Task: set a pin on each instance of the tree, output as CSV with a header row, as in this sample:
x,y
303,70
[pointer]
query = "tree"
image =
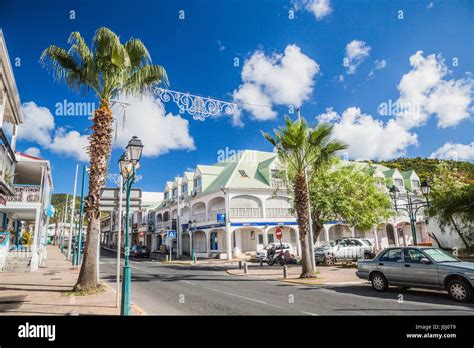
x,y
347,193
108,69
302,148
452,201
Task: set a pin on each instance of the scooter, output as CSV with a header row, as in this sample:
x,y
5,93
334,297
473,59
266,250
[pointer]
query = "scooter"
x,y
275,257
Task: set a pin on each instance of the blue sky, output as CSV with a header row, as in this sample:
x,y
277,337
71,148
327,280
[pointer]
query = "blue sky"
x,y
298,61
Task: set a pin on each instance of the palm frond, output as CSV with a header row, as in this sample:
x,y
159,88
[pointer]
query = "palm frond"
x,y
137,52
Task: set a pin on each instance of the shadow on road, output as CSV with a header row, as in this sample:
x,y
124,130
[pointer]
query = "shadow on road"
x,y
393,293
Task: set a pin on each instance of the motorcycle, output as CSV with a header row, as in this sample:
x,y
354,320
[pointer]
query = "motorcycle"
x,y
275,257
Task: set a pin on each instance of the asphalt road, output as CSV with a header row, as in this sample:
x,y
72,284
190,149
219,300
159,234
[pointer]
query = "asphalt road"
x,y
198,290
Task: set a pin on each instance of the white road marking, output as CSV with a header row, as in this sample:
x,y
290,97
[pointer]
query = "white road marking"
x,y
246,298
314,314
188,282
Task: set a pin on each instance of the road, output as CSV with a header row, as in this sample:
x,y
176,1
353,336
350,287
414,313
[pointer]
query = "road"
x,y
162,289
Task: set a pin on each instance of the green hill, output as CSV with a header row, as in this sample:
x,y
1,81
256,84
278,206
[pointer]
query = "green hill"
x,y
425,167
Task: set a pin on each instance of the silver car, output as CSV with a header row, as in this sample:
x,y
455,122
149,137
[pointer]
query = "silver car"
x,y
421,267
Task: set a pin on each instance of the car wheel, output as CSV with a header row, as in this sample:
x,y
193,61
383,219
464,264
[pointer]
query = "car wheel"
x,y
379,282
460,290
329,260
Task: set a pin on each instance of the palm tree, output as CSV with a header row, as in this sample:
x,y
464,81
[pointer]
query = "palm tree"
x,y
108,68
302,148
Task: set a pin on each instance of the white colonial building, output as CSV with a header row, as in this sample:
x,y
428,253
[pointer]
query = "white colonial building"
x,y
229,209
25,185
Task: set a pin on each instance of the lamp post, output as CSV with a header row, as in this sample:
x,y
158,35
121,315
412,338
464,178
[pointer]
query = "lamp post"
x,y
128,164
411,205
192,226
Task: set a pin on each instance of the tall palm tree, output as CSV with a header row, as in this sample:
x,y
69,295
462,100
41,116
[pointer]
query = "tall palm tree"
x,y
301,148
108,69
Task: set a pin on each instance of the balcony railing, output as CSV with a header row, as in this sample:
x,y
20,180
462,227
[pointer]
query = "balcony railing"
x,y
278,183
201,217
167,224
7,163
159,224
25,194
246,212
279,212
213,214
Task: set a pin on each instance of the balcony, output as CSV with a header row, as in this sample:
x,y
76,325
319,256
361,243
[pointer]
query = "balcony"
x,y
158,224
201,217
7,165
246,212
279,212
25,194
277,183
213,214
167,224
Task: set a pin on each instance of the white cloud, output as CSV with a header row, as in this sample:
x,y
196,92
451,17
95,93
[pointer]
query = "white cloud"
x,y
329,116
33,151
378,65
455,151
320,8
160,132
426,90
430,5
369,138
37,124
279,79
356,52
70,143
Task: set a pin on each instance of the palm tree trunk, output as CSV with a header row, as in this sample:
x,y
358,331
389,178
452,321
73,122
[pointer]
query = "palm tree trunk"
x,y
301,205
100,146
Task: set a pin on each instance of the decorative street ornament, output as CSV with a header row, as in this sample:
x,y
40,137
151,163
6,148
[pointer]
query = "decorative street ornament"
x,y
115,178
198,107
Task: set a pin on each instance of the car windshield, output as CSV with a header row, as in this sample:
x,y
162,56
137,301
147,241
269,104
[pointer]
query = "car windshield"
x,y
328,244
440,255
367,241
268,246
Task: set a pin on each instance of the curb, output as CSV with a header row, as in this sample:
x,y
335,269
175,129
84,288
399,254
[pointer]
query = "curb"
x,y
302,282
138,308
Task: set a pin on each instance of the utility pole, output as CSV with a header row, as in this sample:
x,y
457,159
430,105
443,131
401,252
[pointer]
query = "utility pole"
x,y
71,224
119,240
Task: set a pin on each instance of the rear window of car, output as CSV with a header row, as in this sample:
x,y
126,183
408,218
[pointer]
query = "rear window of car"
x,y
392,255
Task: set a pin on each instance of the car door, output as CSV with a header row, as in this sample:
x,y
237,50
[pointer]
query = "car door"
x,y
340,250
416,272
390,264
358,248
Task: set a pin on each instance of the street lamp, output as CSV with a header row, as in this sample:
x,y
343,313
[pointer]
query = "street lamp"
x,y
411,205
192,226
128,164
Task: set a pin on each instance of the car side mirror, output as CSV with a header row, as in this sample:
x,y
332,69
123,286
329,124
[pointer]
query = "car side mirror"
x,y
425,261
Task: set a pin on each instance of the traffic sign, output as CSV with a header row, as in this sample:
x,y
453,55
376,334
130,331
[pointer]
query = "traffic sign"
x,y
278,233
171,234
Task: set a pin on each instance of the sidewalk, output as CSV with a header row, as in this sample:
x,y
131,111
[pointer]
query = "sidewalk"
x,y
44,292
326,275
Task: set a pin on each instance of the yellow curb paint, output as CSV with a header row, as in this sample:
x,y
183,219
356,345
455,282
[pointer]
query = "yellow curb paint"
x,y
139,309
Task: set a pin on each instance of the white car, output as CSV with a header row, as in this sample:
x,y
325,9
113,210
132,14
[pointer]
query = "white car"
x,y
262,253
348,249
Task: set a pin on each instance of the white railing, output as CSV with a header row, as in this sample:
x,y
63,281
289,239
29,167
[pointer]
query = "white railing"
x,y
213,214
7,166
167,224
25,194
159,224
246,212
279,212
279,183
201,217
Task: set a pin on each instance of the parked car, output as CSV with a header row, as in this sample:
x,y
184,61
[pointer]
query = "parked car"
x,y
139,251
421,267
347,249
262,253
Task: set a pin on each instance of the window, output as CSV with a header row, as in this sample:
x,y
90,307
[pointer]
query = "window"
x,y
166,195
175,192
392,255
271,238
260,239
213,241
197,182
356,242
398,182
184,188
415,184
252,235
413,255
243,173
275,173
440,255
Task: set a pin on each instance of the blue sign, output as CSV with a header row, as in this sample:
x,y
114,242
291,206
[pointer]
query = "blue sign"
x,y
221,217
171,234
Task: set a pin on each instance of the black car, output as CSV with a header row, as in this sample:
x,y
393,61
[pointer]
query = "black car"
x,y
140,251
